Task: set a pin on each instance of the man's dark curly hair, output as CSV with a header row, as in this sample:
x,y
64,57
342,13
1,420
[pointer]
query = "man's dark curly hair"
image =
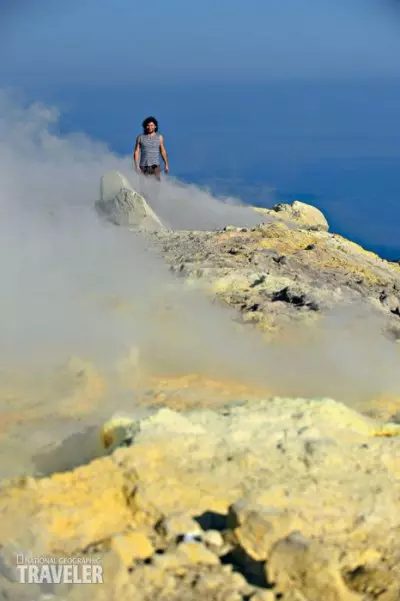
x,y
150,120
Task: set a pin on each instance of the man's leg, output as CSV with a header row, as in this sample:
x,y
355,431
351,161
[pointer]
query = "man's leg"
x,y
153,185
150,182
157,172
143,176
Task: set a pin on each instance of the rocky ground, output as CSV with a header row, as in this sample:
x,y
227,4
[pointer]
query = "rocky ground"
x,y
282,499
219,491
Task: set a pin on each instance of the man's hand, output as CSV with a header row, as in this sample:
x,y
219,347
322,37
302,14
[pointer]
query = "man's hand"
x,y
164,154
136,154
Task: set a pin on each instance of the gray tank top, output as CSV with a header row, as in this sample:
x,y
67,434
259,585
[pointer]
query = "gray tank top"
x,y
149,150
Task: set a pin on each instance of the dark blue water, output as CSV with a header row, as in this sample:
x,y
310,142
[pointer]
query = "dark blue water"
x,y
335,145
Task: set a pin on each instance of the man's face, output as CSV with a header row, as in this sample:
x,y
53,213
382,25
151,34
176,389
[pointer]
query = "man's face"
x,y
151,127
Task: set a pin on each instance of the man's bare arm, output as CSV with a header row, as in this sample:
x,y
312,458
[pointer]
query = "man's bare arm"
x,y
164,154
136,154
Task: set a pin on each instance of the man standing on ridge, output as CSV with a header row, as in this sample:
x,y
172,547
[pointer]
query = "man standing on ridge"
x,y
150,145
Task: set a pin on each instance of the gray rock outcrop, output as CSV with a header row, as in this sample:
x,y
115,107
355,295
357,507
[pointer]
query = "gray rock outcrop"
x,y
120,204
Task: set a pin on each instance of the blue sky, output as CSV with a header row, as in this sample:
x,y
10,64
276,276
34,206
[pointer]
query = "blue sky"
x,y
125,41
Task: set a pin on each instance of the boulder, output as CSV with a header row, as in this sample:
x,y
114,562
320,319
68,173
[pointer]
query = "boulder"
x,y
309,568
257,528
305,215
122,205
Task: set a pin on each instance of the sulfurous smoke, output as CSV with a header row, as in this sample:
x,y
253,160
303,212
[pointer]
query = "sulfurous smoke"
x,y
78,292
73,285
63,268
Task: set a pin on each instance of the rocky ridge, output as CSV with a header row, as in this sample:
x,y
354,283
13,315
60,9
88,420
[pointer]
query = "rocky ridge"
x,y
275,273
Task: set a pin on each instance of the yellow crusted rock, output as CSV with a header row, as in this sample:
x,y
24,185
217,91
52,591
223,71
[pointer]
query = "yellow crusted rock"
x,y
68,511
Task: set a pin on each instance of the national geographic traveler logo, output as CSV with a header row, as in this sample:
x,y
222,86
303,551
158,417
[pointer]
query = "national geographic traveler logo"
x,y
28,569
